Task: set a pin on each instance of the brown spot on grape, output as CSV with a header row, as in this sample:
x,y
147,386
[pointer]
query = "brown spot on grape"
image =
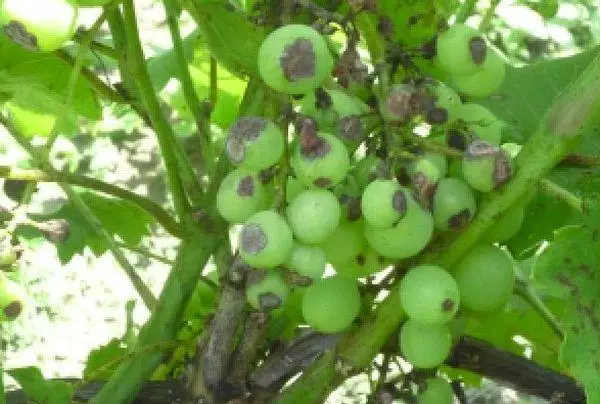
x,y
298,60
13,309
18,33
424,189
269,301
235,149
481,148
456,140
313,147
502,169
398,102
399,202
354,211
351,128
360,260
478,49
246,186
322,182
253,239
248,128
460,219
448,305
436,116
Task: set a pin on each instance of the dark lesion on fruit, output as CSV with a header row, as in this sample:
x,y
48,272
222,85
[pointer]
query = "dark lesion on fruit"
x,y
246,129
18,33
399,202
353,209
436,116
456,140
246,186
253,238
448,305
460,219
502,169
13,309
269,301
400,102
351,128
360,260
478,49
322,182
424,189
481,148
313,146
296,279
298,60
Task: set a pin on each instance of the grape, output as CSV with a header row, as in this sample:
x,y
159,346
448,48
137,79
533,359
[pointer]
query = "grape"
x,y
294,59
384,202
459,49
425,172
307,260
454,204
331,305
484,82
406,238
436,391
240,195
265,240
485,167
323,163
429,295
43,25
268,292
446,98
12,299
254,143
485,278
507,226
425,346
480,120
314,215
363,264
368,169
397,106
345,243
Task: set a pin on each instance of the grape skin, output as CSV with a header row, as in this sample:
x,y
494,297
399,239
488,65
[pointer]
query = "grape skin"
x,y
271,283
425,346
272,247
313,215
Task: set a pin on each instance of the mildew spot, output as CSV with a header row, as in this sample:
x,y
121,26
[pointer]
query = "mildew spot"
x,y
253,239
322,182
399,202
398,103
481,148
436,116
361,260
246,186
351,128
478,49
248,128
13,309
448,305
456,140
354,210
235,149
460,219
502,169
269,301
18,33
298,60
313,147
424,189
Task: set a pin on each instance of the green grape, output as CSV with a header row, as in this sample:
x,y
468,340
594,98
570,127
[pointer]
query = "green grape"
x,y
265,240
240,195
481,121
294,59
41,25
331,305
446,98
485,278
293,188
507,226
314,215
12,299
268,292
484,82
407,237
429,295
454,204
436,391
368,169
254,143
384,203
307,260
397,105
425,345
345,243
425,172
485,167
363,264
322,163
459,50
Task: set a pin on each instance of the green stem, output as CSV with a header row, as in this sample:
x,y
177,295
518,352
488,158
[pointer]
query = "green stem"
x,y
2,396
99,47
161,216
465,11
525,290
145,253
556,191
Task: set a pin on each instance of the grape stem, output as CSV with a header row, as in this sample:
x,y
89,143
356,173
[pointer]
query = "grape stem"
x,y
524,290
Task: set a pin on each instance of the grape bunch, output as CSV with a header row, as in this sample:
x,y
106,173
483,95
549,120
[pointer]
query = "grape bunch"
x,y
332,192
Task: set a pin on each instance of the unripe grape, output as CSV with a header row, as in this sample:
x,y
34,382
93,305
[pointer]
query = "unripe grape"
x,y
425,346
268,292
425,172
12,299
454,204
321,161
484,82
307,260
265,240
345,243
384,203
429,295
507,226
407,237
461,50
313,215
486,167
294,59
254,143
483,122
43,25
446,98
436,391
485,278
331,305
240,195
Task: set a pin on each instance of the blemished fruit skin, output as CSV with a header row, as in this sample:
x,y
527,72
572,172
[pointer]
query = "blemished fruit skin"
x,y
429,295
41,25
307,260
254,143
436,391
265,240
313,215
484,82
383,203
407,237
331,304
454,204
294,59
485,278
433,166
425,346
453,50
268,293
326,168
446,98
12,299
240,195
482,121
478,172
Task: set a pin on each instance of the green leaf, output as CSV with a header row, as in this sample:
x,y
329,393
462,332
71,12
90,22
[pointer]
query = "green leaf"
x,y
102,362
568,270
40,390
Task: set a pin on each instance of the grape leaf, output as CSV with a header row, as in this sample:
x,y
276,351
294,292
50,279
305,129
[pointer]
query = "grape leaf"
x,y
102,361
569,269
40,390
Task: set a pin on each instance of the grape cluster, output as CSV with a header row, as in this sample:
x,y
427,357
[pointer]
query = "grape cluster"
x,y
338,195
12,295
